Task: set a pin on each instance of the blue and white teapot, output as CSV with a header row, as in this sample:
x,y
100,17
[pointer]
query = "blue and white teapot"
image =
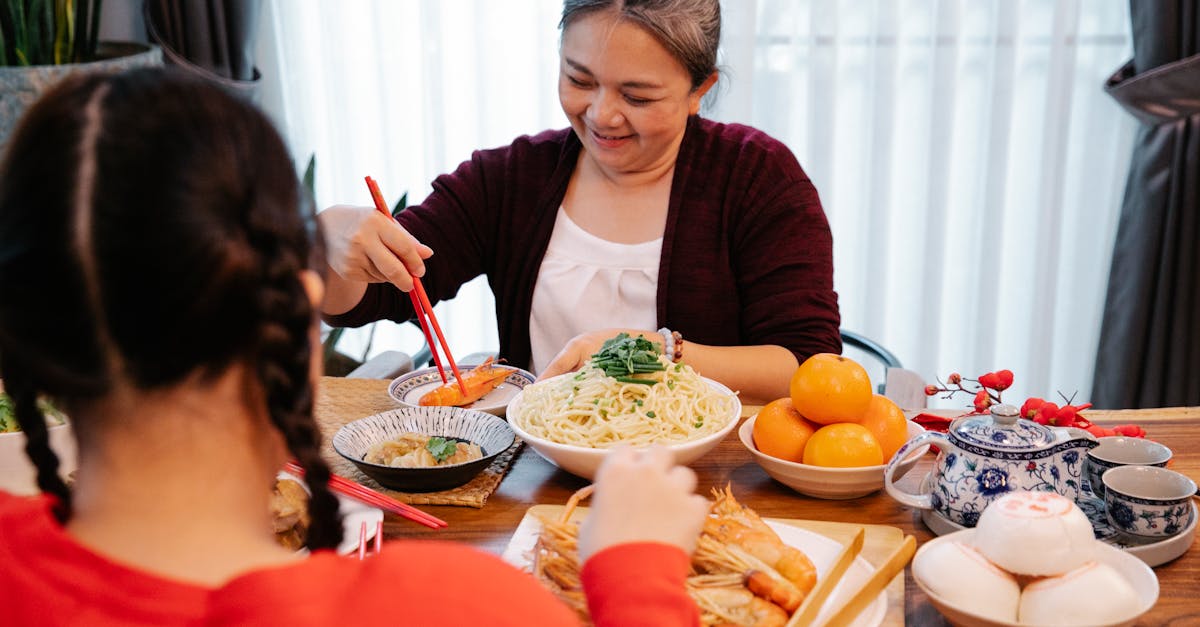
x,y
983,457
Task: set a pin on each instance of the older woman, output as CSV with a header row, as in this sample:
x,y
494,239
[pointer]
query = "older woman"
x,y
642,217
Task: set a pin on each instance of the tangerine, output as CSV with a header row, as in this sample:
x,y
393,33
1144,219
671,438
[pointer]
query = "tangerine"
x,y
887,423
780,431
843,445
829,388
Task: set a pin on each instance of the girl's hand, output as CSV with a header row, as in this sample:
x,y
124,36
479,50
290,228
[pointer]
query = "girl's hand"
x,y
642,496
364,245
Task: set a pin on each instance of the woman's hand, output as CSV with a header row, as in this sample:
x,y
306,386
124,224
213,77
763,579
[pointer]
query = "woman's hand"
x,y
366,246
580,349
642,496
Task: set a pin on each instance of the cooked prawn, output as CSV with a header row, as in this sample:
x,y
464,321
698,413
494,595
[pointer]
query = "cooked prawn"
x,y
732,524
479,381
724,602
735,579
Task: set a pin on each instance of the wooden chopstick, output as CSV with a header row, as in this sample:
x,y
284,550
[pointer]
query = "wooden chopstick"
x,y
878,580
421,305
808,610
360,492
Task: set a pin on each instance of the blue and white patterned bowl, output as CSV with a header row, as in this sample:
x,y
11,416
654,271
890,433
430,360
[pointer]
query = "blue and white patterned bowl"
x,y
491,433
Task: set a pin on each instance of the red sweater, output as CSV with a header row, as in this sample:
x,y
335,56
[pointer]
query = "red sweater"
x,y
47,578
747,255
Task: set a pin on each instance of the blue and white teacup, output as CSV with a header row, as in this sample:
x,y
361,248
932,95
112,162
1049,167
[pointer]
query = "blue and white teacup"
x,y
1114,451
1148,501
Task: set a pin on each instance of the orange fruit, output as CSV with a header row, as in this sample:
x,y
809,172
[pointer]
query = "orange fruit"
x,y
843,445
780,431
829,388
887,423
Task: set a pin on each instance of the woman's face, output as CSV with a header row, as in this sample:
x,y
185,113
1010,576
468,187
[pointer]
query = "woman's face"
x,y
627,98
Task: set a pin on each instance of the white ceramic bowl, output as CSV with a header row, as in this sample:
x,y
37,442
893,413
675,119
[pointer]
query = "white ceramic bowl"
x,y
584,461
1136,572
17,474
824,482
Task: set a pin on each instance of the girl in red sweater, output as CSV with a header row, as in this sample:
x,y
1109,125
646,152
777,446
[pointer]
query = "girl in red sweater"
x,y
157,281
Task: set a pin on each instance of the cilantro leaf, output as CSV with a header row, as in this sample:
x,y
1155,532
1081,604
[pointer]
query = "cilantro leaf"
x,y
441,448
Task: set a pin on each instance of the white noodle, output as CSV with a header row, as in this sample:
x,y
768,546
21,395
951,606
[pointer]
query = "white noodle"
x,y
593,410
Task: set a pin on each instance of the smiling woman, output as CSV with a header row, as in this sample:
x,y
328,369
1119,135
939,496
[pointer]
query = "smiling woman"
x,y
642,217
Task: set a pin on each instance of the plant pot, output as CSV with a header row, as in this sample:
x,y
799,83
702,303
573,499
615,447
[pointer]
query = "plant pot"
x,y
20,86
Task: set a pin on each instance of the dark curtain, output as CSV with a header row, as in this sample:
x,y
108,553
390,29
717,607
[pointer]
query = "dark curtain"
x,y
213,38
1149,352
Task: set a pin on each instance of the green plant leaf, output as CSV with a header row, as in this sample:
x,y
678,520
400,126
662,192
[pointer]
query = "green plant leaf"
x,y
3,45
310,173
64,30
401,205
329,346
93,30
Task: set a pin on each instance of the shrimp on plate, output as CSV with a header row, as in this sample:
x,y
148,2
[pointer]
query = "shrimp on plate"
x,y
742,572
478,381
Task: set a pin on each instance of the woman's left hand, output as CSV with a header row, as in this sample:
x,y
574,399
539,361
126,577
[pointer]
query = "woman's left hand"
x,y
580,349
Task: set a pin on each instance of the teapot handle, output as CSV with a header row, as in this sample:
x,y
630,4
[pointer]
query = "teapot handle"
x,y
919,501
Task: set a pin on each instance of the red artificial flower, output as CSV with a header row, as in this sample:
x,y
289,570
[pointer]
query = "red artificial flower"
x,y
954,378
1131,431
932,390
982,401
1031,406
1046,414
1000,380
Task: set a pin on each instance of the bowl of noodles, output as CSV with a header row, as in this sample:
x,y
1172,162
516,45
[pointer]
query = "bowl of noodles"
x,y
574,419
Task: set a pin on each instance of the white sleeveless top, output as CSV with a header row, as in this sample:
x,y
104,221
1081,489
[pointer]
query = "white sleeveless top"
x,y
587,283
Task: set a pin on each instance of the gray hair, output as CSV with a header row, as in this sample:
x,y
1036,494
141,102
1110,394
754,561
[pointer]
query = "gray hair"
x,y
689,29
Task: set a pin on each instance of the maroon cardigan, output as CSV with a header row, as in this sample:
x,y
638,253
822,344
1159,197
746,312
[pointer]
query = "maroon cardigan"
x,y
747,255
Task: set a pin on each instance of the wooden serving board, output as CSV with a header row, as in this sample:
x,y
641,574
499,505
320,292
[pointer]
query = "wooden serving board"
x,y
879,541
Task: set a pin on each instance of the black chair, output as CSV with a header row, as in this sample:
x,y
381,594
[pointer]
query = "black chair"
x,y
872,355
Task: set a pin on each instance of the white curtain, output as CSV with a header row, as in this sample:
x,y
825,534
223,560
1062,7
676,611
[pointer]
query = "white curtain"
x,y
969,162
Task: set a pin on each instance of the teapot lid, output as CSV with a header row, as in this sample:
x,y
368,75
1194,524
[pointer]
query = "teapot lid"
x,y
1003,430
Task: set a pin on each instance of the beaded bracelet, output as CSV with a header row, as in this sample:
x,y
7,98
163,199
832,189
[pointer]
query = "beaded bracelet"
x,y
668,342
672,344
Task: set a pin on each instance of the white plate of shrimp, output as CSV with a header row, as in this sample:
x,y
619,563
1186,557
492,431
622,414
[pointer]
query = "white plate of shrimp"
x,y
502,383
822,552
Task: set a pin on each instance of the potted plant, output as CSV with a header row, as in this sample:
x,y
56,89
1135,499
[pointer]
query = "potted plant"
x,y
41,41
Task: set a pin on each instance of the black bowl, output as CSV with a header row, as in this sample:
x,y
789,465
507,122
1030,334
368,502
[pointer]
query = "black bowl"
x,y
491,433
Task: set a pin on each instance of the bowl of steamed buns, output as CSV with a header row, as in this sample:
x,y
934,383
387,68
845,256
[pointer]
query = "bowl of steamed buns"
x,y
1033,560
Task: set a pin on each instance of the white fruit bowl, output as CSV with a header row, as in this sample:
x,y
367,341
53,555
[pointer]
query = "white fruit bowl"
x,y
824,482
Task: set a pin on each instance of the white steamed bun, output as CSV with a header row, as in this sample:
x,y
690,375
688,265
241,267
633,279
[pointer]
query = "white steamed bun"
x,y
1035,533
957,573
1092,594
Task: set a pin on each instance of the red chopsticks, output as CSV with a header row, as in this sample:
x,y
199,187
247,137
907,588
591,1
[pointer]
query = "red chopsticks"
x,y
337,483
421,305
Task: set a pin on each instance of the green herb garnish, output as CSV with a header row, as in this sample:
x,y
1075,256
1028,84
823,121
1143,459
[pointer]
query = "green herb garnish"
x,y
623,357
441,448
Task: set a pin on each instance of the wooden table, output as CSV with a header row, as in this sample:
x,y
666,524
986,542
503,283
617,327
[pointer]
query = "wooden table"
x,y
533,481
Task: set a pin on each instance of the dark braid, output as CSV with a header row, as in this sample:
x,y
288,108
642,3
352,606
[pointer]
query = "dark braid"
x,y
37,444
284,361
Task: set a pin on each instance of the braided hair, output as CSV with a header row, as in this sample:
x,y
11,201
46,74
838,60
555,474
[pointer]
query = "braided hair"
x,y
151,229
